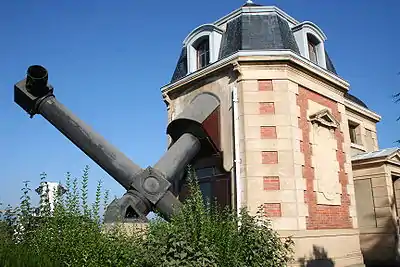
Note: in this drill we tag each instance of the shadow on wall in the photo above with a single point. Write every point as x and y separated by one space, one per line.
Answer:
380 248
319 258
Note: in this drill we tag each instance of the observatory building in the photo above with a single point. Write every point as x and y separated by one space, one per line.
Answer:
291 137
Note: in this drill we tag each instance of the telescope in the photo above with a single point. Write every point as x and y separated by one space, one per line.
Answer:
148 189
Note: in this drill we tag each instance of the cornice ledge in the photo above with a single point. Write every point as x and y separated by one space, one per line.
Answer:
260 55
288 55
394 162
338 92
360 162
369 113
369 161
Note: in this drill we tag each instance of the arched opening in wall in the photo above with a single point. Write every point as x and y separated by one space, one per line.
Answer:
214 182
130 214
202 47
313 43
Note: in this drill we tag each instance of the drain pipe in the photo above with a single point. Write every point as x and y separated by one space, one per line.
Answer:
235 111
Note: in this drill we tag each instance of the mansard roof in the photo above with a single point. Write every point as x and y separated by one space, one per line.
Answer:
256 27
257 32
249 31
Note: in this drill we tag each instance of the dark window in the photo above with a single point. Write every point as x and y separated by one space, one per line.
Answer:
312 48
206 190
215 185
216 189
204 172
130 213
207 172
203 53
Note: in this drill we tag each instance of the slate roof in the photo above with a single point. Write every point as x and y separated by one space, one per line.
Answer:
256 32
251 32
376 154
181 66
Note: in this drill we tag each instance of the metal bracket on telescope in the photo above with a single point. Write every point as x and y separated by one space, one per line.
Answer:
29 92
146 189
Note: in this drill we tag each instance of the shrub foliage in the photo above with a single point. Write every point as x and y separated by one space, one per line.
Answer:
72 234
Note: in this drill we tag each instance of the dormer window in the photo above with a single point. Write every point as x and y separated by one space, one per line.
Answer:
203 53
310 40
202 46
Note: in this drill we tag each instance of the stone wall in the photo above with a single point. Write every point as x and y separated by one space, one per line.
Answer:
272 151
377 211
280 161
324 213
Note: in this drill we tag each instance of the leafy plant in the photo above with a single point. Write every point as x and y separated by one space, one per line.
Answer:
206 235
201 234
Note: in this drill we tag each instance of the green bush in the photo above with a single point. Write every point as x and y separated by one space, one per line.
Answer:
73 235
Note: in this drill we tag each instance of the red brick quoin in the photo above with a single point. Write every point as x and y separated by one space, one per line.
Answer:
322 216
268 132
265 85
269 157
271 183
272 210
267 108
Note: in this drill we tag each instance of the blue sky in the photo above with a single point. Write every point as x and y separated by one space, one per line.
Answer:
107 61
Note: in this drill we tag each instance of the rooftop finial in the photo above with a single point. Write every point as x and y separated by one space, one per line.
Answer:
249 2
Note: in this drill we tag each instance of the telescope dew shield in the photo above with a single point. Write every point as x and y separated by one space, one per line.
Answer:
29 92
36 81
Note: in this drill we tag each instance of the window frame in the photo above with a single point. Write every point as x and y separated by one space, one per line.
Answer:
353 132
312 51
211 174
312 46
202 50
